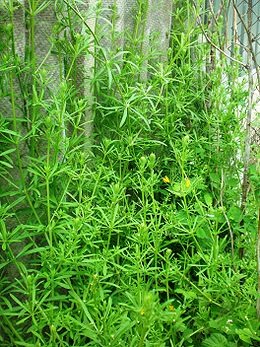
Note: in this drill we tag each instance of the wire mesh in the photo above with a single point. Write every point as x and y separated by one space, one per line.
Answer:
242 40
248 36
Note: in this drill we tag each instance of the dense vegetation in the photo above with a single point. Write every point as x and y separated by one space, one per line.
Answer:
136 236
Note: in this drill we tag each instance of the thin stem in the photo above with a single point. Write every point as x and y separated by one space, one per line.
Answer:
258 266
245 182
218 48
48 185
225 215
33 69
250 41
144 333
17 145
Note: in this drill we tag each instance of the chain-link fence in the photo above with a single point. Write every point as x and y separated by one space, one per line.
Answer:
240 40
245 17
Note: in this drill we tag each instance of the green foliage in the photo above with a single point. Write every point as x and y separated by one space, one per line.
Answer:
217 340
126 244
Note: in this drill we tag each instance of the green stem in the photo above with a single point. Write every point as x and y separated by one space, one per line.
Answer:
48 191
33 70
144 332
19 160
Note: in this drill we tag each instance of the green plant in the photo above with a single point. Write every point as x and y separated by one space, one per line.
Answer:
127 243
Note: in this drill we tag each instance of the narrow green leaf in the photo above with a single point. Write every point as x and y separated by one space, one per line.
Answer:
124 117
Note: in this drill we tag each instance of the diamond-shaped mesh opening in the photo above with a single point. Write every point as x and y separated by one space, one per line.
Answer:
235 31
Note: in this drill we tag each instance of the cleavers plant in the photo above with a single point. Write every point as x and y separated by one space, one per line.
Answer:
126 243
